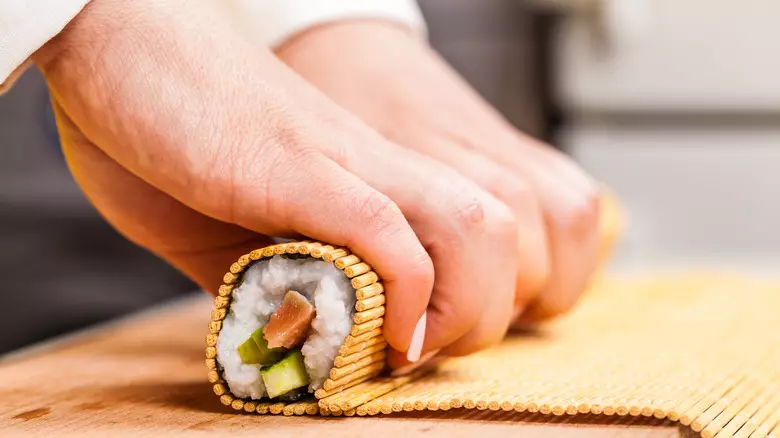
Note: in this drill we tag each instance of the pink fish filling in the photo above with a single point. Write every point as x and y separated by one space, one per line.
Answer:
290 323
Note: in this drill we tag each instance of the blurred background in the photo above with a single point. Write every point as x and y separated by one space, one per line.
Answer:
673 103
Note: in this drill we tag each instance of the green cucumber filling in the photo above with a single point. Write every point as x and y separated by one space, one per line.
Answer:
255 351
282 370
282 367
286 375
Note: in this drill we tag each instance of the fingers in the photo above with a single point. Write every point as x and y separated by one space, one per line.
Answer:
574 243
470 236
433 111
560 222
571 213
533 257
492 325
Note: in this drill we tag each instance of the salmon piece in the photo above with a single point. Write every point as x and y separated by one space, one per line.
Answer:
290 322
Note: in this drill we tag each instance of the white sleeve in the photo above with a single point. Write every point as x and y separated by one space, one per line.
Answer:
25 26
274 21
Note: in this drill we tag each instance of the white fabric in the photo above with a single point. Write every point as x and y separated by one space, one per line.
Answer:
25 26
272 22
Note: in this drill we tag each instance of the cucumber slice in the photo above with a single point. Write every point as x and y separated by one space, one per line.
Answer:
255 350
285 375
249 352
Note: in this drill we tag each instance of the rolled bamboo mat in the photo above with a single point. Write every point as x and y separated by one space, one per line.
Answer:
703 350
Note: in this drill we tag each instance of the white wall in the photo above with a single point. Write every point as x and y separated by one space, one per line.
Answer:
700 55
685 124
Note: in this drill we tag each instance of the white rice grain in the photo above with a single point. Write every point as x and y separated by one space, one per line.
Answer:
264 285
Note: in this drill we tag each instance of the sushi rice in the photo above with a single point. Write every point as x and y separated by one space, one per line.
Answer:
263 288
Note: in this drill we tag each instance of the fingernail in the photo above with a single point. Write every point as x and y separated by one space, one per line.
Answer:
408 368
415 347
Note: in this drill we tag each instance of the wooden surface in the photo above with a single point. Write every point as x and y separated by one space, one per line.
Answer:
145 376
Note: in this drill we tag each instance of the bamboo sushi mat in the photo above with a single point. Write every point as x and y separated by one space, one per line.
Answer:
701 350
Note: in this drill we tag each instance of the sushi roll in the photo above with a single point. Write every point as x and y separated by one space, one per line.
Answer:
294 323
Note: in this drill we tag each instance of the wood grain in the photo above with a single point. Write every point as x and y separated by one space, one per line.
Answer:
145 376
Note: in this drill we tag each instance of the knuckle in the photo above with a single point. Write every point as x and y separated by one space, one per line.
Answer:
379 213
469 215
255 187
481 214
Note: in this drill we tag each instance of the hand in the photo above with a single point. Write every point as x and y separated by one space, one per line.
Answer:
399 86
197 146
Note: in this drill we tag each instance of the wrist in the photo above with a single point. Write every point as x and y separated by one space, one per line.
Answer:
116 31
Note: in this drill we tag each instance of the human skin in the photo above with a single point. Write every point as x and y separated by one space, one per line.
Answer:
197 145
399 86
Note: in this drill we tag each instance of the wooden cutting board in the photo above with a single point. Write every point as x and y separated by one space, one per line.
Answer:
144 375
